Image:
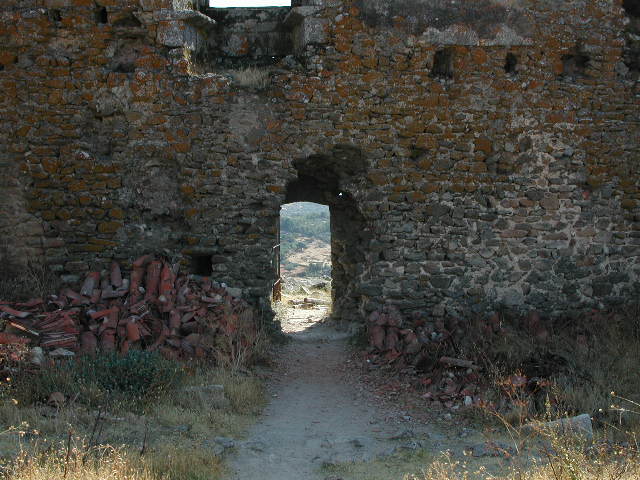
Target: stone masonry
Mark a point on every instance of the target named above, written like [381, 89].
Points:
[473, 154]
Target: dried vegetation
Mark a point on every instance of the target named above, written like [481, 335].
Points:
[139, 416]
[251, 77]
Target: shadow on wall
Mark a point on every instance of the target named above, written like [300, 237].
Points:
[322, 179]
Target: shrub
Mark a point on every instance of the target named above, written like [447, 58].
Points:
[130, 380]
[22, 282]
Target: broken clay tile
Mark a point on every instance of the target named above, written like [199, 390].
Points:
[174, 320]
[10, 339]
[144, 331]
[108, 341]
[190, 327]
[36, 302]
[95, 297]
[90, 283]
[152, 280]
[136, 279]
[166, 281]
[24, 327]
[391, 340]
[108, 294]
[59, 302]
[142, 261]
[170, 321]
[88, 343]
[103, 313]
[14, 313]
[133, 332]
[59, 341]
[115, 275]
[182, 294]
[193, 339]
[187, 348]
[140, 309]
[376, 336]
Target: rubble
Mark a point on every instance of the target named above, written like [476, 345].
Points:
[434, 352]
[155, 309]
[426, 348]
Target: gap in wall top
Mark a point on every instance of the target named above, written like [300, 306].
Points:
[248, 3]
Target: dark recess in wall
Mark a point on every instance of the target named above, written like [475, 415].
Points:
[101, 15]
[443, 63]
[55, 15]
[631, 52]
[511, 64]
[125, 67]
[632, 7]
[128, 21]
[574, 65]
[201, 265]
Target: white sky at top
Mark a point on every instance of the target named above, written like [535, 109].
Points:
[249, 3]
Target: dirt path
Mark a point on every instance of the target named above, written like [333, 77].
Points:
[317, 415]
[320, 414]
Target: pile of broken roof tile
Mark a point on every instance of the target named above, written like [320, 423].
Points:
[428, 349]
[179, 315]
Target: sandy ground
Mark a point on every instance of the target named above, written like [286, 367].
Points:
[317, 415]
[320, 415]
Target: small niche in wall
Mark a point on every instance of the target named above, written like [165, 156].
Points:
[511, 64]
[443, 63]
[102, 16]
[632, 7]
[575, 65]
[55, 15]
[200, 264]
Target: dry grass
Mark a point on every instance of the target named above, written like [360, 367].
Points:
[74, 461]
[174, 432]
[576, 376]
[24, 282]
[547, 457]
[183, 463]
[562, 462]
[396, 466]
[251, 77]
[198, 412]
[106, 464]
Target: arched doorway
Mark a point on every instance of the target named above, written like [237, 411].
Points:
[326, 180]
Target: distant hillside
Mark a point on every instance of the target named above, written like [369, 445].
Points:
[305, 238]
[303, 208]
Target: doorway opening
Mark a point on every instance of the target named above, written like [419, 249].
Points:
[305, 241]
[304, 264]
[327, 181]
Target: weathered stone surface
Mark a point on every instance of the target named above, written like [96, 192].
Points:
[457, 180]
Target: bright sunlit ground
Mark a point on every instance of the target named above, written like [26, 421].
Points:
[249, 3]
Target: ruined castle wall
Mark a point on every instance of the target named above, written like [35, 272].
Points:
[488, 180]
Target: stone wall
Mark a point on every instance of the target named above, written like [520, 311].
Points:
[472, 156]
